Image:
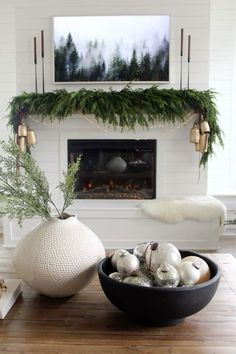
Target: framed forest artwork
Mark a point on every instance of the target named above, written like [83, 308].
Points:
[111, 49]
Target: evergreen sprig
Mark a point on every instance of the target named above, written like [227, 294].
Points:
[125, 108]
[68, 186]
[24, 189]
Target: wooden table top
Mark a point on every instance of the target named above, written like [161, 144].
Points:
[88, 323]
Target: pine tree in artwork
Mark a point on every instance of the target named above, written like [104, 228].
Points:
[71, 58]
[118, 70]
[145, 68]
[160, 63]
[156, 66]
[60, 61]
[66, 60]
[134, 67]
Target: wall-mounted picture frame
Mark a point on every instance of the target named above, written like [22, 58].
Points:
[105, 49]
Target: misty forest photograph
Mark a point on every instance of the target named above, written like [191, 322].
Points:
[111, 48]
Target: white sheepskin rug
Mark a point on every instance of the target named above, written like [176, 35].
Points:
[176, 209]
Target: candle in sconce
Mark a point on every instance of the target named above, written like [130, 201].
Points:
[181, 42]
[35, 51]
[189, 48]
[42, 44]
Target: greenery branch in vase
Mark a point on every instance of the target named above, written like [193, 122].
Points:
[24, 189]
[58, 257]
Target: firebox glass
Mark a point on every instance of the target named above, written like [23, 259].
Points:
[114, 168]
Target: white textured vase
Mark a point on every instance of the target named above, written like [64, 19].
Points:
[58, 257]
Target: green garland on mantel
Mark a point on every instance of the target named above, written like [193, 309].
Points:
[126, 108]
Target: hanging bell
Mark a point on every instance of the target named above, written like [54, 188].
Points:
[194, 135]
[197, 147]
[204, 126]
[202, 146]
[203, 143]
[31, 138]
[22, 144]
[22, 130]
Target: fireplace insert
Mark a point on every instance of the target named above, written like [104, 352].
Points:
[114, 168]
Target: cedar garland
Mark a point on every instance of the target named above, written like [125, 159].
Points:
[125, 108]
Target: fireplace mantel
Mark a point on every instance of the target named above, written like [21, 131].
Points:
[127, 108]
[121, 223]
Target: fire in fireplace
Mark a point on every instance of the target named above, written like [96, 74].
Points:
[115, 169]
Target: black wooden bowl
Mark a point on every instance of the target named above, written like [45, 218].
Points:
[158, 306]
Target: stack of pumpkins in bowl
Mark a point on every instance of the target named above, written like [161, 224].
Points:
[158, 264]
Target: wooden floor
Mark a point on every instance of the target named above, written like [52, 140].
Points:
[88, 323]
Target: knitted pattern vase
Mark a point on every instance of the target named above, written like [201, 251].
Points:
[58, 257]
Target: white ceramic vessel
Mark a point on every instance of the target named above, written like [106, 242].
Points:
[58, 257]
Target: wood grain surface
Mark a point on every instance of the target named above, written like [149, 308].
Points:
[88, 323]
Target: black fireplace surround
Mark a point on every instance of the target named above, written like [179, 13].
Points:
[114, 168]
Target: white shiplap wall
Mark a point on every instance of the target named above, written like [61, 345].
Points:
[222, 167]
[222, 172]
[192, 15]
[7, 63]
[176, 157]
[180, 162]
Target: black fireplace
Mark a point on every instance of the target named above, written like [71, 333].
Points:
[115, 169]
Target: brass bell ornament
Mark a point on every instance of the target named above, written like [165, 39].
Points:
[199, 134]
[31, 138]
[22, 143]
[25, 136]
[202, 146]
[194, 135]
[22, 130]
[204, 126]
